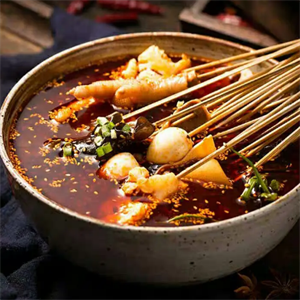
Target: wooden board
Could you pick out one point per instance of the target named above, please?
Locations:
(23, 30)
(279, 18)
(194, 20)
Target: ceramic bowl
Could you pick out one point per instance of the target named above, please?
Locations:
(172, 256)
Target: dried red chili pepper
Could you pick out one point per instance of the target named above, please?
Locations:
(118, 18)
(134, 5)
(76, 6)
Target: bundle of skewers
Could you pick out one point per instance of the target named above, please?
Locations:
(264, 105)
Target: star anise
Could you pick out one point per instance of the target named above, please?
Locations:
(282, 287)
(249, 289)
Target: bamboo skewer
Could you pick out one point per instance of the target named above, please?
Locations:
(273, 104)
(287, 88)
(227, 91)
(257, 149)
(256, 61)
(282, 121)
(264, 94)
(269, 118)
(281, 75)
(220, 70)
(241, 56)
(276, 131)
(236, 128)
(264, 91)
(275, 151)
(236, 98)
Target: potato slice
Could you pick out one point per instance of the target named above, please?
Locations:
(210, 172)
(200, 150)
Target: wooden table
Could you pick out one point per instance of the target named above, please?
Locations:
(25, 26)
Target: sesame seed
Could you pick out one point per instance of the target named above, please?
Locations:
(29, 142)
(226, 211)
(95, 192)
(45, 179)
(87, 186)
(68, 174)
(73, 191)
(94, 180)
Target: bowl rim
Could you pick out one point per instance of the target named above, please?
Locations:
(148, 229)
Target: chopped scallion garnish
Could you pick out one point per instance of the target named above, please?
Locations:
(102, 120)
(67, 149)
(98, 140)
(105, 131)
(113, 134)
(126, 128)
(275, 185)
(248, 190)
(107, 147)
(97, 130)
(110, 125)
(100, 152)
(104, 149)
(261, 181)
(186, 216)
(179, 104)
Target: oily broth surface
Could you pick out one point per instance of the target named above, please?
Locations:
(77, 186)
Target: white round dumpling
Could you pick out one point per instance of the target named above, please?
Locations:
(119, 166)
(168, 146)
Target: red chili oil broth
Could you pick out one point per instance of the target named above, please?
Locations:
(77, 186)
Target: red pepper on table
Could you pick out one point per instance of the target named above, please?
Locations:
(134, 5)
(76, 6)
(118, 18)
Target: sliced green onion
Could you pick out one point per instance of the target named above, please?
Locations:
(275, 185)
(105, 131)
(186, 216)
(113, 134)
(126, 128)
(262, 182)
(247, 191)
(257, 174)
(100, 152)
(67, 149)
(107, 147)
(102, 120)
(179, 104)
(104, 149)
(110, 125)
(270, 196)
(98, 140)
(97, 130)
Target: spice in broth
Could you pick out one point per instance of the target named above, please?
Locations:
(76, 182)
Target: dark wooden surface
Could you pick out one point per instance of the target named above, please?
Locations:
(25, 31)
(279, 18)
(196, 19)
